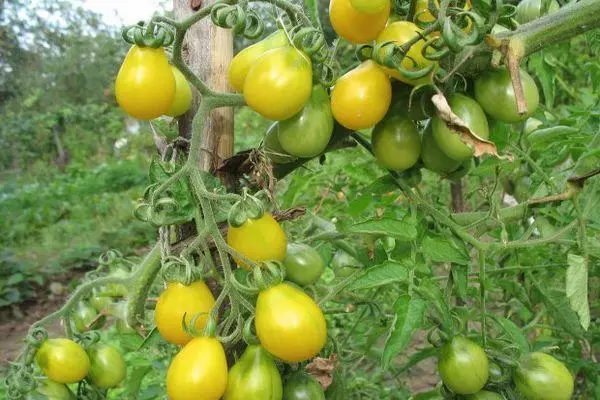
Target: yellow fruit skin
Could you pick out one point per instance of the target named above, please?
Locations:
(355, 26)
(63, 360)
(183, 95)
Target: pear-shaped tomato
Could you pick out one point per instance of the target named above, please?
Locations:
(279, 83)
(273, 148)
(472, 115)
(307, 133)
(463, 365)
(145, 86)
(302, 386)
(183, 95)
(396, 143)
(179, 300)
(243, 61)
(356, 26)
(401, 32)
(370, 6)
(541, 376)
(63, 360)
(107, 366)
(303, 264)
(433, 157)
(254, 376)
(362, 97)
(83, 317)
(289, 324)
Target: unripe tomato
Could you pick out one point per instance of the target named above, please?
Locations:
(485, 395)
(355, 26)
(107, 366)
(495, 94)
(116, 289)
(343, 264)
(279, 84)
(362, 97)
(302, 386)
(433, 157)
(245, 59)
(417, 106)
(472, 115)
(541, 376)
(178, 300)
(303, 264)
(396, 143)
(48, 389)
(199, 370)
(183, 95)
(401, 32)
(307, 133)
(273, 149)
(463, 366)
(99, 300)
(259, 240)
(83, 316)
(289, 324)
(145, 86)
(63, 360)
(254, 376)
(530, 10)
(370, 6)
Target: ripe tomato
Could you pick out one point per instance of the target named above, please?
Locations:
(396, 143)
(495, 94)
(289, 324)
(273, 149)
(279, 83)
(107, 366)
(433, 157)
(530, 10)
(83, 316)
(145, 86)
(183, 95)
(199, 370)
(463, 366)
(243, 61)
(302, 386)
(260, 239)
(485, 395)
(178, 300)
(254, 376)
(355, 26)
(48, 389)
(307, 133)
(472, 114)
(401, 32)
(303, 264)
(423, 14)
(63, 360)
(541, 376)
(370, 6)
(362, 97)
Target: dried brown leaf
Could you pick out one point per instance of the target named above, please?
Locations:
(322, 370)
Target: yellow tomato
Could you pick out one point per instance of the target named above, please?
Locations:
(145, 86)
(178, 300)
(279, 84)
(355, 26)
(198, 371)
(260, 239)
(63, 360)
(370, 6)
(289, 324)
(423, 14)
(183, 95)
(243, 61)
(401, 32)
(362, 97)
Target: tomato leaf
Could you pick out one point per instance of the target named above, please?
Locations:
(380, 275)
(577, 288)
(440, 249)
(407, 319)
(404, 229)
(513, 331)
(134, 381)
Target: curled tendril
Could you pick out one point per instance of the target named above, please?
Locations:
(110, 258)
(241, 21)
(179, 269)
(150, 35)
(36, 336)
(88, 338)
(249, 337)
(392, 56)
(312, 42)
(236, 334)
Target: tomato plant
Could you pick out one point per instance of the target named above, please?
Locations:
(303, 264)
(396, 143)
(354, 25)
(63, 360)
(107, 366)
(463, 366)
(302, 386)
(254, 376)
(541, 376)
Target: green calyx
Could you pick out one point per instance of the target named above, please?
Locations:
(150, 35)
(249, 207)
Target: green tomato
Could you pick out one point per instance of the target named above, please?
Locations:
(497, 374)
(254, 376)
(530, 10)
(303, 264)
(50, 390)
(99, 300)
(107, 366)
(396, 143)
(343, 264)
(417, 107)
(83, 317)
(472, 115)
(307, 133)
(495, 94)
(273, 148)
(463, 365)
(485, 395)
(302, 386)
(433, 157)
(542, 377)
(370, 6)
(116, 289)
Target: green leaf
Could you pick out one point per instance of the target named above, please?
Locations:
(460, 275)
(577, 288)
(407, 319)
(404, 229)
(134, 381)
(312, 10)
(380, 275)
(551, 135)
(440, 249)
(512, 330)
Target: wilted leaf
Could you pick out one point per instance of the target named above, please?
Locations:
(322, 369)
(407, 319)
(577, 288)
